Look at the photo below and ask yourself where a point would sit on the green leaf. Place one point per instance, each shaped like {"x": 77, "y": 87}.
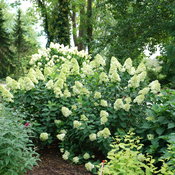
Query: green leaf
{"x": 171, "y": 125}
{"x": 159, "y": 131}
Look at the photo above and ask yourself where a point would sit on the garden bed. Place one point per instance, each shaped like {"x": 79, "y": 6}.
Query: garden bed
{"x": 52, "y": 164}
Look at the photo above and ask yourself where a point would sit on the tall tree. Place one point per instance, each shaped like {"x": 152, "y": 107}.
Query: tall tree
{"x": 42, "y": 4}
{"x": 89, "y": 25}
{"x": 6, "y": 54}
{"x": 56, "y": 20}
{"x": 82, "y": 23}
{"x": 60, "y": 22}
{"x": 23, "y": 46}
{"x": 19, "y": 40}
{"x": 132, "y": 25}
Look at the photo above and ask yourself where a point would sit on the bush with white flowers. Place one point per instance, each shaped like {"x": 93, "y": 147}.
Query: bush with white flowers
{"x": 65, "y": 91}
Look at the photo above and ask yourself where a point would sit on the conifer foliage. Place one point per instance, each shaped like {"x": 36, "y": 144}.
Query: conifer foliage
{"x": 6, "y": 54}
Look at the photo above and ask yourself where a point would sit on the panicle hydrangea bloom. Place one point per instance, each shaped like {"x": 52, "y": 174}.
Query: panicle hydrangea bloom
{"x": 26, "y": 83}
{"x": 75, "y": 159}
{"x": 77, "y": 87}
{"x": 115, "y": 63}
{"x": 61, "y": 136}
{"x": 97, "y": 95}
{"x": 128, "y": 64}
{"x": 12, "y": 84}
{"x": 62, "y": 76}
{"x": 66, "y": 155}
{"x": 75, "y": 66}
{"x": 59, "y": 83}
{"x": 96, "y": 104}
{"x": 39, "y": 75}
{"x": 126, "y": 107}
{"x": 105, "y": 133}
{"x": 84, "y": 91}
{"x": 155, "y": 86}
{"x": 140, "y": 68}
{"x": 51, "y": 63}
{"x": 144, "y": 91}
{"x": 50, "y": 84}
{"x": 103, "y": 113}
{"x": 76, "y": 124}
{"x": 78, "y": 84}
{"x": 55, "y": 57}
{"x": 103, "y": 77}
{"x": 113, "y": 66}
{"x": 48, "y": 71}
{"x": 103, "y": 103}
{"x": 57, "y": 122}
{"x": 131, "y": 71}
{"x": 66, "y": 67}
{"x": 98, "y": 61}
{"x": 62, "y": 150}
{"x": 65, "y": 111}
{"x": 58, "y": 92}
{"x": 92, "y": 137}
{"x": 7, "y": 96}
{"x": 139, "y": 99}
{"x": 128, "y": 100}
{"x": 63, "y": 131}
{"x": 134, "y": 81}
{"x": 74, "y": 107}
{"x": 118, "y": 104}
{"x": 103, "y": 120}
{"x": 44, "y": 136}
{"x": 87, "y": 69}
{"x": 86, "y": 156}
{"x": 115, "y": 77}
{"x": 32, "y": 76}
{"x": 89, "y": 166}
{"x": 35, "y": 57}
{"x": 142, "y": 76}
{"x": 66, "y": 93}
{"x": 83, "y": 118}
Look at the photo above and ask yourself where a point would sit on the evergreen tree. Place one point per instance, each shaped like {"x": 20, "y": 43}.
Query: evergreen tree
{"x": 23, "y": 47}
{"x": 19, "y": 40}
{"x": 6, "y": 54}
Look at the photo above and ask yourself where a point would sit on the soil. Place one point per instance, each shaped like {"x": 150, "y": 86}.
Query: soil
{"x": 52, "y": 164}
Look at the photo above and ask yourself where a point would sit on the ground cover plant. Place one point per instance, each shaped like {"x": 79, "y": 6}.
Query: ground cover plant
{"x": 73, "y": 99}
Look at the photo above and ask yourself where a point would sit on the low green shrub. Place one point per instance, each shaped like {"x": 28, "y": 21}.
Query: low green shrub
{"x": 16, "y": 153}
{"x": 160, "y": 122}
{"x": 168, "y": 158}
{"x": 126, "y": 158}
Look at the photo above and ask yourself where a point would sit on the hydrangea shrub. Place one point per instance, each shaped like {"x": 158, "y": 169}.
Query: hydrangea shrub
{"x": 76, "y": 100}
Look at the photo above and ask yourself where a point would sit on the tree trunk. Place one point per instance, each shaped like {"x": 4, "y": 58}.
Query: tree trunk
{"x": 82, "y": 29}
{"x": 74, "y": 25}
{"x": 89, "y": 25}
{"x": 44, "y": 14}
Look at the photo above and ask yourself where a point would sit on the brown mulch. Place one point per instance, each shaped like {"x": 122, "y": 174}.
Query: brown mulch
{"x": 52, "y": 164}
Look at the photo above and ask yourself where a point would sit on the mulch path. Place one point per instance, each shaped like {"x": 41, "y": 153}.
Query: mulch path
{"x": 52, "y": 164}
